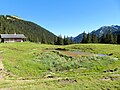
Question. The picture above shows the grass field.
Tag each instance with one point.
(30, 66)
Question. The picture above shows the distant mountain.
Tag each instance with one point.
(106, 29)
(115, 29)
(78, 38)
(35, 33)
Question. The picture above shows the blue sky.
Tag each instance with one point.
(65, 17)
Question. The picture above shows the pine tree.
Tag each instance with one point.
(68, 40)
(65, 41)
(94, 38)
(88, 38)
(109, 37)
(84, 40)
(118, 39)
(71, 40)
(59, 40)
(102, 39)
(115, 39)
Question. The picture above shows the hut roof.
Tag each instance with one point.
(12, 36)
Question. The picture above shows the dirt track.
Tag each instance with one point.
(1, 69)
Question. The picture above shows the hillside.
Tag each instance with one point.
(115, 29)
(33, 32)
(31, 66)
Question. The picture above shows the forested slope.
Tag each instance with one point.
(33, 32)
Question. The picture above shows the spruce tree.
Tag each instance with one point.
(109, 37)
(118, 39)
(65, 41)
(84, 40)
(88, 38)
(115, 39)
(71, 40)
(59, 40)
(94, 38)
(68, 40)
(102, 39)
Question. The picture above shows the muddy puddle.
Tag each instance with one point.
(79, 53)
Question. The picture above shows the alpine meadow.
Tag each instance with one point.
(45, 61)
(59, 44)
(31, 66)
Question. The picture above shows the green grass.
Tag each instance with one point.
(18, 58)
(30, 65)
(98, 48)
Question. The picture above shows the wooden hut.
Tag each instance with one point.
(12, 37)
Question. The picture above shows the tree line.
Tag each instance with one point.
(63, 41)
(36, 33)
(108, 38)
(33, 32)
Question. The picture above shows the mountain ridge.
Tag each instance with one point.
(115, 29)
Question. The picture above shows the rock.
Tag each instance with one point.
(114, 59)
(1, 51)
(49, 76)
(110, 54)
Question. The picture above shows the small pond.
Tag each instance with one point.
(102, 55)
(79, 53)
